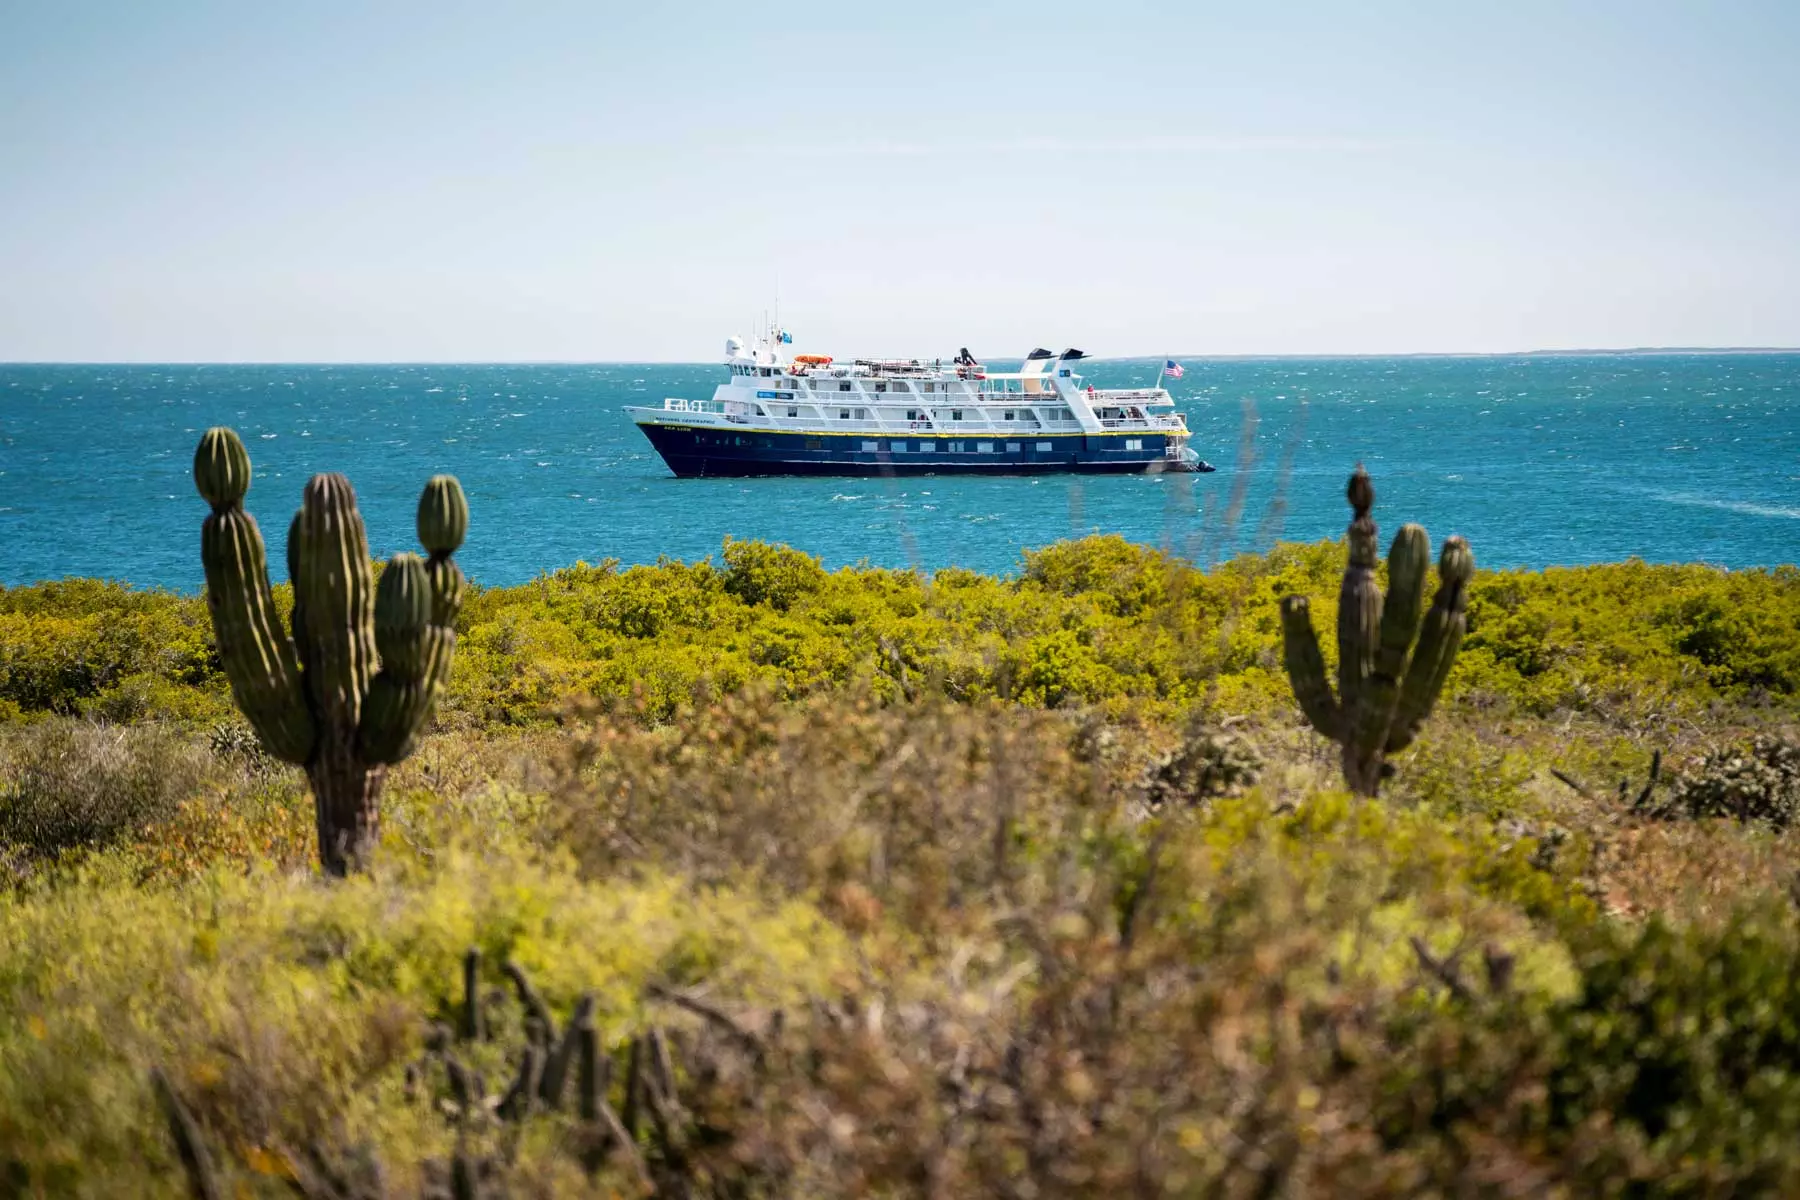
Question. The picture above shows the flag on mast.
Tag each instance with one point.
(1171, 368)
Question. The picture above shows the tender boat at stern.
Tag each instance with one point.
(808, 415)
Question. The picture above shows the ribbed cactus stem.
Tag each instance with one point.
(1387, 685)
(1409, 560)
(316, 699)
(1359, 599)
(333, 583)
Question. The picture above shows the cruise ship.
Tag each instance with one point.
(807, 414)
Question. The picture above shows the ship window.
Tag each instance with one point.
(900, 386)
(1009, 414)
(1043, 447)
(862, 414)
(871, 447)
(843, 387)
(956, 414)
(881, 387)
(814, 444)
(843, 414)
(1134, 443)
(760, 412)
(1012, 447)
(984, 447)
(763, 371)
(931, 387)
(792, 411)
(927, 447)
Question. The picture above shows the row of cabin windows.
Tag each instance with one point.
(904, 447)
(920, 414)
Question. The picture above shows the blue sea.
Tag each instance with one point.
(1537, 459)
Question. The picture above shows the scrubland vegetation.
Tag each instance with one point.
(879, 884)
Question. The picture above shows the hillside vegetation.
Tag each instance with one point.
(883, 884)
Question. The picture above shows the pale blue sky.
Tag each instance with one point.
(437, 181)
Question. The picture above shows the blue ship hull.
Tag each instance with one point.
(709, 451)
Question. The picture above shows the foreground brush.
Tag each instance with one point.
(1391, 666)
(318, 699)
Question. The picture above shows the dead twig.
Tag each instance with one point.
(186, 1132)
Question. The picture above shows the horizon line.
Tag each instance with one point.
(1574, 352)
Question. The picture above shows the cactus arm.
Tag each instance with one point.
(399, 699)
(447, 589)
(1439, 640)
(332, 587)
(1306, 667)
(258, 657)
(443, 522)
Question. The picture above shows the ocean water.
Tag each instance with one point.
(1538, 460)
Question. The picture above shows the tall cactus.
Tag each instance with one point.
(1390, 666)
(346, 695)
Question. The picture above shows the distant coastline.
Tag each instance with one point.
(1191, 356)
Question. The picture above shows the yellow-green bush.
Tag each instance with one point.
(1097, 620)
(929, 821)
(286, 1010)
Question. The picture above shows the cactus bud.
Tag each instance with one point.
(443, 516)
(1361, 492)
(221, 468)
(1457, 562)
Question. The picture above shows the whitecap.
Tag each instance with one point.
(1746, 507)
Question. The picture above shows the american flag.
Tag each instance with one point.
(1172, 369)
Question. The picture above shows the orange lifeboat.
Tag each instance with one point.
(813, 360)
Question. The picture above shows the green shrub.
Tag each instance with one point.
(758, 573)
(1755, 782)
(1092, 621)
(1680, 1057)
(67, 784)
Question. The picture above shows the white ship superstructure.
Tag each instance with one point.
(808, 414)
